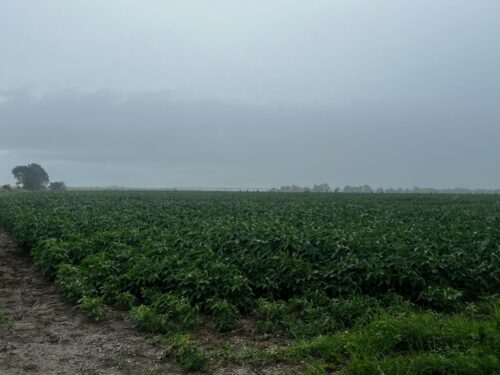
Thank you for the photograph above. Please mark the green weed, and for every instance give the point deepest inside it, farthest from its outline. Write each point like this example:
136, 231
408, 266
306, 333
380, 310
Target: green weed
410, 341
147, 319
187, 355
93, 306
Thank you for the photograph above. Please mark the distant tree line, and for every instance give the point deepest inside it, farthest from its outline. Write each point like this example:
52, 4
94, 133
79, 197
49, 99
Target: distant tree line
321, 188
325, 188
33, 177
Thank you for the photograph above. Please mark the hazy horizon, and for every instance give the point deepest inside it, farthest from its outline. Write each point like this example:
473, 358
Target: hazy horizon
252, 94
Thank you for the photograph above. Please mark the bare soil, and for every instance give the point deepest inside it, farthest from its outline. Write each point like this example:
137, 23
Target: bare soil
45, 334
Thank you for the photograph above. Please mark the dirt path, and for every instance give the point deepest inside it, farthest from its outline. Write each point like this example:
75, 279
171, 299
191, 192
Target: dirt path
46, 335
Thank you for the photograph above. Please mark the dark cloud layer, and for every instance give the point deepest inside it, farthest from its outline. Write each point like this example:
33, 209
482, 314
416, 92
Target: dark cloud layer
153, 139
252, 93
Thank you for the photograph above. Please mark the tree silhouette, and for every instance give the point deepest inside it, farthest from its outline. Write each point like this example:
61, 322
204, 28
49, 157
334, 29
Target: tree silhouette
31, 176
57, 186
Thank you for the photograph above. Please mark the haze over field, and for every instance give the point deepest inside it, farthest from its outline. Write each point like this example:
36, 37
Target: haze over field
252, 93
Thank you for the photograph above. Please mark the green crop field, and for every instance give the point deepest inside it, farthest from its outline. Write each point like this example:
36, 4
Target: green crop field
358, 283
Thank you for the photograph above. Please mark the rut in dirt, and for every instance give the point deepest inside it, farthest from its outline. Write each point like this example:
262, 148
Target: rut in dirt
44, 333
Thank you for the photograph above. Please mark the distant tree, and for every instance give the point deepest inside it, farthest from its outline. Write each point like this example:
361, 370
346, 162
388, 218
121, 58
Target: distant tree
321, 188
380, 190
337, 190
366, 189
57, 186
357, 189
31, 176
6, 187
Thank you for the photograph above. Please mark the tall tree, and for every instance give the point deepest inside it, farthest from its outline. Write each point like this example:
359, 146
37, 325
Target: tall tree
31, 176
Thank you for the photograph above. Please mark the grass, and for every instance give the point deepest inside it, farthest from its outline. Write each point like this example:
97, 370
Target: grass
475, 362
410, 343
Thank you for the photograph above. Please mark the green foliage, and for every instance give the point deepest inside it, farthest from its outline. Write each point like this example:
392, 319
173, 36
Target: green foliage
365, 277
126, 299
312, 316
31, 176
73, 282
93, 306
486, 307
439, 252
149, 320
187, 355
414, 343
456, 363
417, 332
165, 313
57, 186
442, 298
356, 309
176, 309
297, 318
48, 254
224, 313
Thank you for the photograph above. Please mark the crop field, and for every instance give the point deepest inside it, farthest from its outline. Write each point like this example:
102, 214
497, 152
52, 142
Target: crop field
357, 283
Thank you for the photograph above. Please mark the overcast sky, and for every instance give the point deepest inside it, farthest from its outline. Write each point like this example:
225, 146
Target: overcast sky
239, 93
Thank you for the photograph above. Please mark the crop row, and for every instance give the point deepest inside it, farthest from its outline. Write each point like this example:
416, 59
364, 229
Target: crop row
230, 253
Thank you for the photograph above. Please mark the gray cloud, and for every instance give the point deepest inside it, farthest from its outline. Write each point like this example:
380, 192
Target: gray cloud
260, 93
157, 140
